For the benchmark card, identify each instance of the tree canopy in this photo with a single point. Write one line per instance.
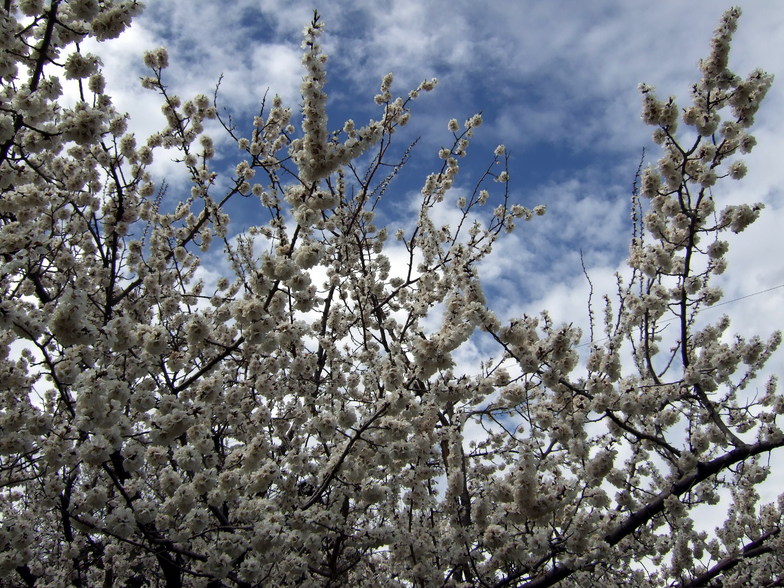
(296, 423)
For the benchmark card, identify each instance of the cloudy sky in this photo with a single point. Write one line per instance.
(556, 82)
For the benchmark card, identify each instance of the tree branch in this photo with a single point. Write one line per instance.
(656, 506)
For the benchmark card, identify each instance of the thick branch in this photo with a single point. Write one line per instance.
(644, 515)
(750, 550)
(336, 468)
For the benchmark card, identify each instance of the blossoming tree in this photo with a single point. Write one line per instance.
(295, 424)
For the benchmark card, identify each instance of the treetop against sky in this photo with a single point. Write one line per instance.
(556, 84)
(411, 297)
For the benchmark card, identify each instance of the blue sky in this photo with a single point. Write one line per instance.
(556, 82)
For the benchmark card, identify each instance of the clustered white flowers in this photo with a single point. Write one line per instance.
(295, 421)
(318, 156)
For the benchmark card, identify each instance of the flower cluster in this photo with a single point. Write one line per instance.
(316, 155)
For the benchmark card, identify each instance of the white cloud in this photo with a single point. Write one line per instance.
(278, 63)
